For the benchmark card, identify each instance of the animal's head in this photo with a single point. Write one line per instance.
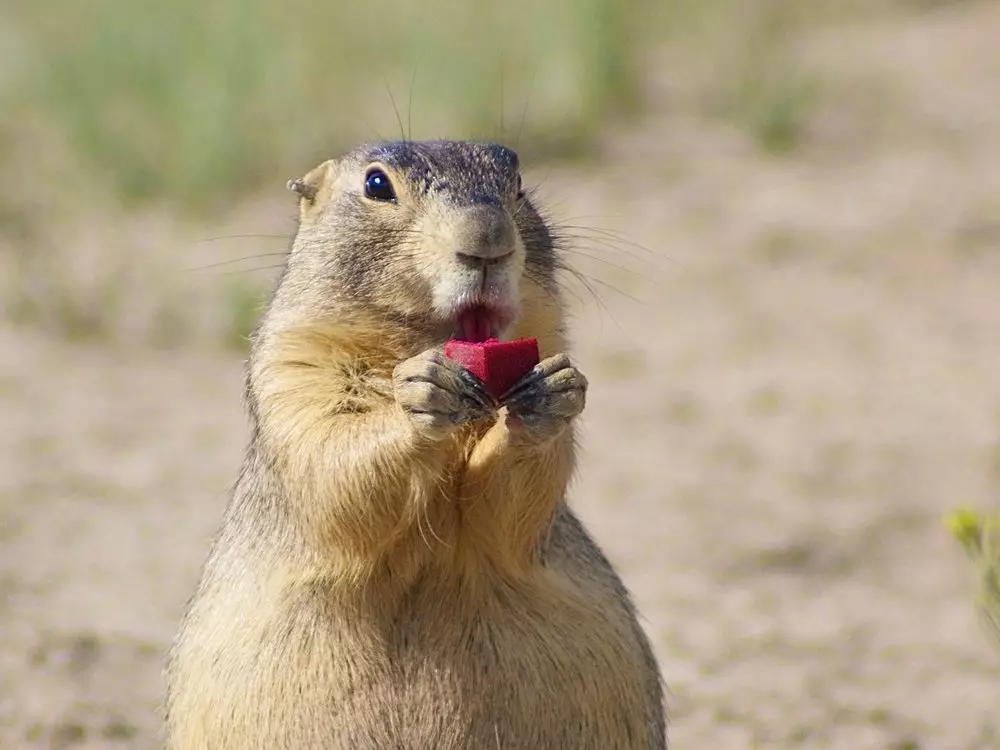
(437, 235)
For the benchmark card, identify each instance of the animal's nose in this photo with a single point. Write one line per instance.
(486, 234)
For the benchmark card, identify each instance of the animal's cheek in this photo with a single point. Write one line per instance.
(401, 284)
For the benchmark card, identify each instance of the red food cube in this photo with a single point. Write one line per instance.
(499, 364)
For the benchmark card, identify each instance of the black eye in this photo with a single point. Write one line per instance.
(520, 188)
(378, 187)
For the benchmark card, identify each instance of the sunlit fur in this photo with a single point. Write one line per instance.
(371, 588)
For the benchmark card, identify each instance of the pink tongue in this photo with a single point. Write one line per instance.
(475, 325)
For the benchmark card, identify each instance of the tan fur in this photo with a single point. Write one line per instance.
(374, 586)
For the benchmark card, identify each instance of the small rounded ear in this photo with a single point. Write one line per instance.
(314, 188)
(305, 190)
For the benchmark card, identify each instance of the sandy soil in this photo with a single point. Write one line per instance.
(791, 383)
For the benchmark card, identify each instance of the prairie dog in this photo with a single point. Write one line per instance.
(397, 566)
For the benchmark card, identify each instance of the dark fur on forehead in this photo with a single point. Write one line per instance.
(467, 171)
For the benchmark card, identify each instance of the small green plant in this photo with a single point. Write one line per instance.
(769, 92)
(746, 57)
(775, 108)
(979, 535)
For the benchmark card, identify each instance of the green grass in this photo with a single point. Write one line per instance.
(114, 110)
(195, 103)
(198, 102)
(744, 54)
(770, 94)
(979, 535)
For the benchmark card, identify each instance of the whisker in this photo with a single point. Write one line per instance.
(612, 287)
(409, 103)
(221, 237)
(605, 247)
(603, 261)
(253, 270)
(524, 112)
(620, 243)
(535, 191)
(612, 235)
(371, 127)
(545, 282)
(402, 131)
(230, 262)
(607, 234)
(501, 94)
(586, 281)
(567, 238)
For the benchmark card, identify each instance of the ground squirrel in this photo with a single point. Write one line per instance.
(397, 566)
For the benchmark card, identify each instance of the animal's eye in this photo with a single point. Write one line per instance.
(378, 187)
(520, 188)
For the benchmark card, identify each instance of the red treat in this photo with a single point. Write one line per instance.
(499, 364)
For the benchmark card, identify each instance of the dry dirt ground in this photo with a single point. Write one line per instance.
(790, 386)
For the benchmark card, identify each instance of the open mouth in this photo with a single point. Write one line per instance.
(478, 322)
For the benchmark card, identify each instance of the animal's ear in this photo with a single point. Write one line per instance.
(314, 188)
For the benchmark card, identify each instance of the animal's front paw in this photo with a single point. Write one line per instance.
(439, 394)
(548, 397)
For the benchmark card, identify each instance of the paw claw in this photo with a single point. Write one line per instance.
(549, 396)
(440, 394)
(524, 396)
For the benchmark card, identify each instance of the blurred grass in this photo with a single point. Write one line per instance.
(113, 111)
(769, 94)
(196, 102)
(116, 110)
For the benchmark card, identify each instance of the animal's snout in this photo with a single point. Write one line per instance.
(486, 235)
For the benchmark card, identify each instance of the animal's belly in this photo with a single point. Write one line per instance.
(515, 671)
(527, 673)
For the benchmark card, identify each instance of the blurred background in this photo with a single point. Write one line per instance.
(787, 217)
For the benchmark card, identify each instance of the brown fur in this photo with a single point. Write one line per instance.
(377, 584)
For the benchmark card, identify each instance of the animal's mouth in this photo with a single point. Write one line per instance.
(478, 322)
